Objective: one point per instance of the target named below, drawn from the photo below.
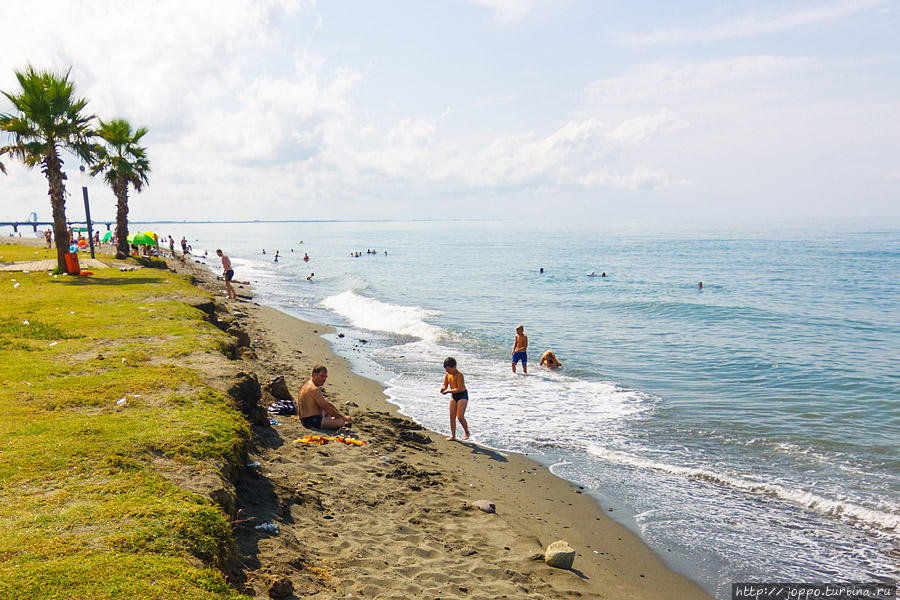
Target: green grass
(84, 514)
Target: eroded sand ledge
(392, 519)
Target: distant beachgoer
(48, 236)
(264, 250)
(520, 347)
(305, 257)
(228, 273)
(314, 410)
(184, 245)
(700, 286)
(455, 385)
(592, 274)
(171, 245)
(542, 270)
(603, 274)
(310, 276)
(385, 252)
(549, 360)
(276, 256)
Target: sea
(747, 431)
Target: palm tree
(123, 161)
(48, 120)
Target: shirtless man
(519, 349)
(227, 273)
(314, 410)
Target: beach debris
(340, 335)
(386, 459)
(283, 407)
(267, 527)
(16, 284)
(485, 505)
(274, 421)
(53, 344)
(121, 401)
(281, 587)
(279, 389)
(560, 554)
(319, 440)
(253, 465)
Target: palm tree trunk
(53, 172)
(120, 189)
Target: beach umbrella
(107, 236)
(141, 239)
(152, 234)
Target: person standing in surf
(520, 347)
(227, 273)
(455, 385)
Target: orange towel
(319, 440)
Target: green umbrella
(107, 236)
(141, 239)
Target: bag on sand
(283, 407)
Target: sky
(587, 110)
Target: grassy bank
(88, 503)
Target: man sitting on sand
(314, 410)
(550, 361)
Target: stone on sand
(560, 555)
(485, 505)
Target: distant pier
(35, 224)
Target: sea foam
(374, 315)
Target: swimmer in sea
(549, 360)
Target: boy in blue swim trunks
(519, 349)
(455, 385)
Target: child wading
(455, 385)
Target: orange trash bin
(72, 265)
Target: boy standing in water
(519, 349)
(455, 385)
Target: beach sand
(393, 518)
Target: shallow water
(747, 431)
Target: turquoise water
(747, 431)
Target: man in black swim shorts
(314, 410)
(228, 273)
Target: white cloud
(516, 10)
(751, 25)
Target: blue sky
(686, 112)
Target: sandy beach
(393, 518)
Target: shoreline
(534, 506)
